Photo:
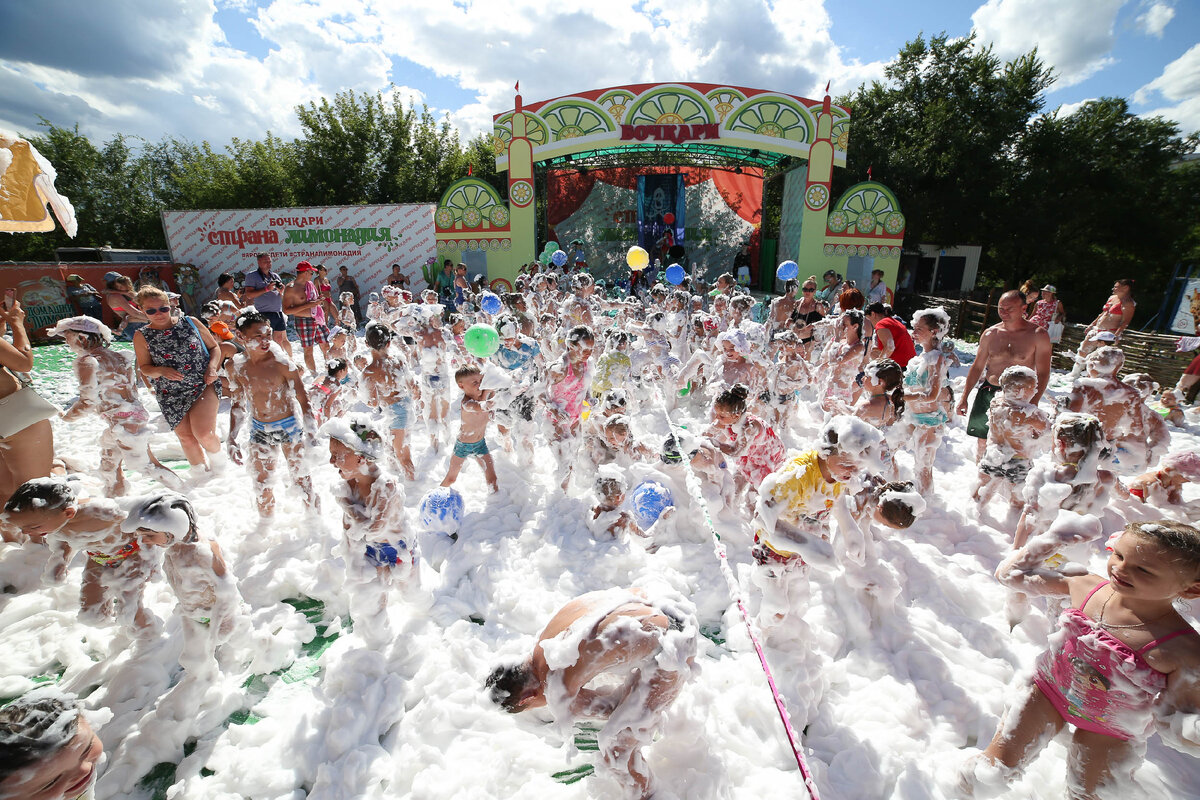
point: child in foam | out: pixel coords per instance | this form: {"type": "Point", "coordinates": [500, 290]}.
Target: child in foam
{"type": "Point", "coordinates": [388, 385]}
{"type": "Point", "coordinates": [608, 519]}
{"type": "Point", "coordinates": [758, 449]}
{"type": "Point", "coordinates": [332, 396]}
{"type": "Point", "coordinates": [568, 380]}
{"type": "Point", "coordinates": [650, 643]}
{"type": "Point", "coordinates": [1122, 663]}
{"type": "Point", "coordinates": [1070, 479]}
{"type": "Point", "coordinates": [472, 430]}
{"type": "Point", "coordinates": [1163, 487]}
{"type": "Point", "coordinates": [209, 601]}
{"type": "Point", "coordinates": [265, 383]}
{"type": "Point", "coordinates": [47, 511]}
{"type": "Point", "coordinates": [48, 750]}
{"type": "Point", "coordinates": [1129, 424]}
{"type": "Point", "coordinates": [107, 388]}
{"type": "Point", "coordinates": [372, 500]}
{"type": "Point", "coordinates": [924, 383]}
{"type": "Point", "coordinates": [1017, 433]}
{"type": "Point", "coordinates": [794, 505]}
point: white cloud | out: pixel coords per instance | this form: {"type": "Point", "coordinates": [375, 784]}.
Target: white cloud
{"type": "Point", "coordinates": [1074, 37]}
{"type": "Point", "coordinates": [1179, 83]}
{"type": "Point", "coordinates": [187, 80]}
{"type": "Point", "coordinates": [1154, 20]}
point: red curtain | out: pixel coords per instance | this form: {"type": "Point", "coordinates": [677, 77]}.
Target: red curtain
{"type": "Point", "coordinates": [567, 189]}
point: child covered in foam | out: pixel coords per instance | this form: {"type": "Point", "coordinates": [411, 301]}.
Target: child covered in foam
{"type": "Point", "coordinates": [48, 749]}
{"type": "Point", "coordinates": [1122, 663]}
{"type": "Point", "coordinates": [1164, 486]}
{"type": "Point", "coordinates": [1017, 433]}
{"type": "Point", "coordinates": [1070, 479]}
{"type": "Point", "coordinates": [609, 520]}
{"type": "Point", "coordinates": [108, 389]}
{"type": "Point", "coordinates": [48, 512]}
{"type": "Point", "coordinates": [389, 386]}
{"type": "Point", "coordinates": [1138, 435]}
{"type": "Point", "coordinates": [209, 601]}
{"type": "Point", "coordinates": [792, 517]}
{"type": "Point", "coordinates": [379, 551]}
{"type": "Point", "coordinates": [924, 387]}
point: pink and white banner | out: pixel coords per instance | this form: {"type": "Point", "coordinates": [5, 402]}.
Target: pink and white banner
{"type": "Point", "coordinates": [365, 239]}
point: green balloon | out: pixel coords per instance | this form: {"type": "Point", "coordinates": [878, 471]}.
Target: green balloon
{"type": "Point", "coordinates": [481, 340]}
{"type": "Point", "coordinates": [551, 247]}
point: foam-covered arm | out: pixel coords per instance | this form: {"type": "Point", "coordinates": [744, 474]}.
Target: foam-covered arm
{"type": "Point", "coordinates": [851, 536]}
{"type": "Point", "coordinates": [810, 546]}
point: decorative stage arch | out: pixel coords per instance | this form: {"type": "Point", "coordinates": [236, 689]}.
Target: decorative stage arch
{"type": "Point", "coordinates": [713, 126]}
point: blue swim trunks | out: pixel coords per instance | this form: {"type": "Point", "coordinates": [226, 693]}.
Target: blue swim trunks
{"type": "Point", "coordinates": [468, 449]}
{"type": "Point", "coordinates": [400, 410]}
{"type": "Point", "coordinates": [281, 431]}
{"type": "Point", "coordinates": [931, 419]}
{"type": "Point", "coordinates": [383, 554]}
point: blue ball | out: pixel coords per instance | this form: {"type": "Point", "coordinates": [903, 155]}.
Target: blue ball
{"type": "Point", "coordinates": [787, 270]}
{"type": "Point", "coordinates": [442, 510]}
{"type": "Point", "coordinates": [649, 500]}
{"type": "Point", "coordinates": [490, 303]}
{"type": "Point", "coordinates": [559, 258]}
{"type": "Point", "coordinates": [675, 274]}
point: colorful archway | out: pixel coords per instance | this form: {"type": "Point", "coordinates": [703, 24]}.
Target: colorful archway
{"type": "Point", "coordinates": [722, 124]}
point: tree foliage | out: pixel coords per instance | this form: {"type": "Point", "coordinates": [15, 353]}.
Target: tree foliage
{"type": "Point", "coordinates": [1075, 199]}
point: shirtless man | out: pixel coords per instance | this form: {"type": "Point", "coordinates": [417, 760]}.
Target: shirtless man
{"type": "Point", "coordinates": [266, 382]}
{"type": "Point", "coordinates": [389, 385]}
{"type": "Point", "coordinates": [1014, 341]}
{"type": "Point", "coordinates": [619, 631]}
{"type": "Point", "coordinates": [782, 307]}
{"type": "Point", "coordinates": [303, 302]}
{"type": "Point", "coordinates": [1125, 417]}
{"type": "Point", "coordinates": [476, 414]}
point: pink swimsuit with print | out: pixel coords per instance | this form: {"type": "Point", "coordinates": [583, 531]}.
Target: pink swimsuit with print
{"type": "Point", "coordinates": [763, 454]}
{"type": "Point", "coordinates": [567, 394]}
{"type": "Point", "coordinates": [1097, 682]}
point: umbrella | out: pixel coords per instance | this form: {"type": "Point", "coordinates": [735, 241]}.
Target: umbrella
{"type": "Point", "coordinates": [27, 193]}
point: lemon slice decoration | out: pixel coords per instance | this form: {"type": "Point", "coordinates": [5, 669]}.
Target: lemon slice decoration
{"type": "Point", "coordinates": [775, 117]}
{"type": "Point", "coordinates": [615, 103]}
{"type": "Point", "coordinates": [469, 201]}
{"type": "Point", "coordinates": [574, 118]}
{"type": "Point", "coordinates": [724, 100]}
{"type": "Point", "coordinates": [670, 106]}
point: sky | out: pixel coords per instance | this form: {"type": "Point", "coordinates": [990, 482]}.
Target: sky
{"type": "Point", "coordinates": [218, 69]}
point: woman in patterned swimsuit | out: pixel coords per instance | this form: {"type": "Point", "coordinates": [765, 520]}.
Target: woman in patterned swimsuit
{"type": "Point", "coordinates": [182, 360]}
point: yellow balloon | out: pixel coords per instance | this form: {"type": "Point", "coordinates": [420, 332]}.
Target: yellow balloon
{"type": "Point", "coordinates": [637, 258]}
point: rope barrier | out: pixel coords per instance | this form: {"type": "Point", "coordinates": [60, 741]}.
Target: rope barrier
{"type": "Point", "coordinates": [735, 593]}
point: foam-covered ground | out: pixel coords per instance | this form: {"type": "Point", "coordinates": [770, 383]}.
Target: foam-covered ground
{"type": "Point", "coordinates": [892, 695]}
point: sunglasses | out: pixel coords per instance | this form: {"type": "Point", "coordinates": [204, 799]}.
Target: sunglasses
{"type": "Point", "coordinates": [810, 288]}
{"type": "Point", "coordinates": [159, 310]}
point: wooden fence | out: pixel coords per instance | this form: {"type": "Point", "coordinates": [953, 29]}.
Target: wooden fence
{"type": "Point", "coordinates": [1151, 353]}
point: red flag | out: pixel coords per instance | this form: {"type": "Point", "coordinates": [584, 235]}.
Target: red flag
{"type": "Point", "coordinates": [868, 173]}
{"type": "Point", "coordinates": [469, 168]}
{"type": "Point", "coordinates": [517, 88]}
{"type": "Point", "coordinates": [827, 86]}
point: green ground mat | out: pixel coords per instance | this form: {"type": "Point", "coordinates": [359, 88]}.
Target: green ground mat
{"type": "Point", "coordinates": [304, 669]}
{"type": "Point", "coordinates": [586, 734]}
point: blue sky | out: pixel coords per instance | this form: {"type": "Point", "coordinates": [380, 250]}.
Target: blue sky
{"type": "Point", "coordinates": [216, 69]}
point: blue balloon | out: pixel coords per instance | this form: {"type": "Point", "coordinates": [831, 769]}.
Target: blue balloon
{"type": "Point", "coordinates": [559, 258]}
{"type": "Point", "coordinates": [675, 274]}
{"type": "Point", "coordinates": [649, 500]}
{"type": "Point", "coordinates": [787, 270]}
{"type": "Point", "coordinates": [490, 303]}
{"type": "Point", "coordinates": [442, 510]}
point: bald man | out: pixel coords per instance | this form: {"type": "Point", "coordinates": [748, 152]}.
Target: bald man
{"type": "Point", "coordinates": [1014, 341]}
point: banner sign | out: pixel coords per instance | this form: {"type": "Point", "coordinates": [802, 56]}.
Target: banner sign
{"type": "Point", "coordinates": [367, 240]}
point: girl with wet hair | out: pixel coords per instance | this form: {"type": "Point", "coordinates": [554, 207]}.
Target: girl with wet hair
{"type": "Point", "coordinates": [755, 445]}
{"type": "Point", "coordinates": [48, 750]}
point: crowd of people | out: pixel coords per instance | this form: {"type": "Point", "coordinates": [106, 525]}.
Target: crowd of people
{"type": "Point", "coordinates": [566, 366]}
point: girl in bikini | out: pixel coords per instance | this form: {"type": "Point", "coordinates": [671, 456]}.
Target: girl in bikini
{"type": "Point", "coordinates": [1122, 662]}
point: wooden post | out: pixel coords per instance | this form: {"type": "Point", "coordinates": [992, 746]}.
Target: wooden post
{"type": "Point", "coordinates": [962, 317]}
{"type": "Point", "coordinates": [987, 310]}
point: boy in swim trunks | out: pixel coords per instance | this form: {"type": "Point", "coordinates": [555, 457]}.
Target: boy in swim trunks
{"type": "Point", "coordinates": [1129, 424]}
{"type": "Point", "coordinates": [388, 385]}
{"type": "Point", "coordinates": [1018, 432]}
{"type": "Point", "coordinates": [266, 383]}
{"type": "Point", "coordinates": [476, 414]}
{"type": "Point", "coordinates": [117, 569]}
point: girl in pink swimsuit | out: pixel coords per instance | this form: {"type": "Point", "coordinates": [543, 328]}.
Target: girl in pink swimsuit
{"type": "Point", "coordinates": [569, 380]}
{"type": "Point", "coordinates": [758, 448]}
{"type": "Point", "coordinates": [1121, 658]}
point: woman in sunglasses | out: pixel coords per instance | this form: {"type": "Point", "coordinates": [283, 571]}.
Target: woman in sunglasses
{"type": "Point", "coordinates": [182, 360]}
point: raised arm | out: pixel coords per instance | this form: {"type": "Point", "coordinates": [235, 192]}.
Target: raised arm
{"type": "Point", "coordinates": [17, 356]}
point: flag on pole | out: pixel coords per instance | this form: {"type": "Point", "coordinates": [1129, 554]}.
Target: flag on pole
{"type": "Point", "coordinates": [517, 88]}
